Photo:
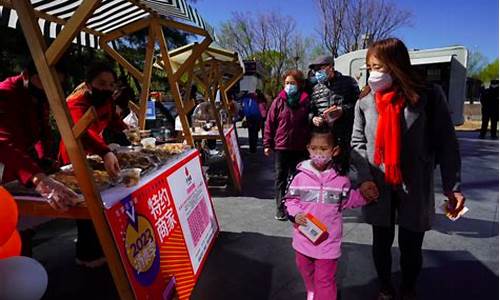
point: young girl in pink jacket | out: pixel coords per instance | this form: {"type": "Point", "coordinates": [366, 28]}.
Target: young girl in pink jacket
{"type": "Point", "coordinates": [317, 195]}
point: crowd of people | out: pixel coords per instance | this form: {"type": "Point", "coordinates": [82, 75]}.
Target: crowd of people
{"type": "Point", "coordinates": [336, 147]}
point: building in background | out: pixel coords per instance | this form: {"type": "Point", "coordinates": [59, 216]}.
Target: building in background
{"type": "Point", "coordinates": [444, 66]}
{"type": "Point", "coordinates": [252, 79]}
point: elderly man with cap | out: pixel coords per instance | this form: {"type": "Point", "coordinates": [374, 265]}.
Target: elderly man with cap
{"type": "Point", "coordinates": [333, 98]}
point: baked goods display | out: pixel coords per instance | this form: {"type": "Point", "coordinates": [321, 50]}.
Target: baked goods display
{"type": "Point", "coordinates": [130, 177]}
{"type": "Point", "coordinates": [135, 159]}
{"type": "Point", "coordinates": [134, 162]}
{"type": "Point", "coordinates": [133, 135]}
{"type": "Point", "coordinates": [174, 148]}
{"type": "Point", "coordinates": [68, 178]}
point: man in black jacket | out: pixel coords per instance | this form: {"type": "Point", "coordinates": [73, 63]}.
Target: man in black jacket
{"type": "Point", "coordinates": [489, 109]}
{"type": "Point", "coordinates": [333, 98]}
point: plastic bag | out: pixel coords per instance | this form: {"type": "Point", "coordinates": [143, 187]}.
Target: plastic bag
{"type": "Point", "coordinates": [131, 120]}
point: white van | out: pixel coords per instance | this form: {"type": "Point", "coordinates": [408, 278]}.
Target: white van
{"type": "Point", "coordinates": [444, 66]}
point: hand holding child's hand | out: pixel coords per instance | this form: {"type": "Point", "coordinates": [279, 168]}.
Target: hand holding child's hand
{"type": "Point", "coordinates": [369, 190]}
{"type": "Point", "coordinates": [301, 219]}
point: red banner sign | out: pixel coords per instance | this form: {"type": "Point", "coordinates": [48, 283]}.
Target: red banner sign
{"type": "Point", "coordinates": [164, 231]}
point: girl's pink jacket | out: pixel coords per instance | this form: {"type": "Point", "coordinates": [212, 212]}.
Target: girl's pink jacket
{"type": "Point", "coordinates": [324, 195]}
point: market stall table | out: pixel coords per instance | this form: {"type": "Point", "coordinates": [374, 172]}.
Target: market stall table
{"type": "Point", "coordinates": [164, 225]}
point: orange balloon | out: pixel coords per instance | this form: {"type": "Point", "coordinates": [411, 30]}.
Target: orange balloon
{"type": "Point", "coordinates": [12, 247]}
{"type": "Point", "coordinates": [8, 215]}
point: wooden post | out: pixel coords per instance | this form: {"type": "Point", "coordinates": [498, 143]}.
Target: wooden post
{"type": "Point", "coordinates": [121, 60]}
{"type": "Point", "coordinates": [146, 82]}
{"type": "Point", "coordinates": [225, 88]}
{"type": "Point", "coordinates": [214, 80]}
{"type": "Point", "coordinates": [188, 101]}
{"type": "Point", "coordinates": [182, 26]}
{"type": "Point", "coordinates": [197, 51]}
{"type": "Point", "coordinates": [174, 86]}
{"type": "Point", "coordinates": [70, 30]}
{"type": "Point", "coordinates": [125, 30]}
{"type": "Point", "coordinates": [85, 122]}
{"type": "Point", "coordinates": [57, 103]}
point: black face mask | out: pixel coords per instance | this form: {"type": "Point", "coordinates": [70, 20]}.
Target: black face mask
{"type": "Point", "coordinates": [36, 92]}
{"type": "Point", "coordinates": [99, 97]}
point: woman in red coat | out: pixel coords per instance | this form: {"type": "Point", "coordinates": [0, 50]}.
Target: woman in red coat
{"type": "Point", "coordinates": [97, 91]}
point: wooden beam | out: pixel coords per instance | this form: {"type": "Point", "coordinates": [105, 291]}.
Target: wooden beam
{"type": "Point", "coordinates": [224, 99]}
{"type": "Point", "coordinates": [121, 60]}
{"type": "Point", "coordinates": [203, 73]}
{"type": "Point", "coordinates": [126, 30]}
{"type": "Point", "coordinates": [216, 80]}
{"type": "Point", "coordinates": [133, 107]}
{"type": "Point", "coordinates": [6, 3]}
{"type": "Point", "coordinates": [200, 81]}
{"type": "Point", "coordinates": [70, 30]}
{"type": "Point", "coordinates": [188, 102]}
{"type": "Point", "coordinates": [180, 50]}
{"type": "Point", "coordinates": [196, 53]}
{"type": "Point", "coordinates": [189, 105]}
{"type": "Point", "coordinates": [85, 122]}
{"type": "Point", "coordinates": [146, 78]}
{"type": "Point", "coordinates": [232, 82]}
{"type": "Point", "coordinates": [183, 27]}
{"type": "Point", "coordinates": [55, 96]}
{"type": "Point", "coordinates": [174, 86]}
{"type": "Point", "coordinates": [229, 54]}
{"type": "Point", "coordinates": [51, 18]}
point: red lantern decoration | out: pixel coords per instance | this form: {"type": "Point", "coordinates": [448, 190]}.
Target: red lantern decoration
{"type": "Point", "coordinates": [12, 247]}
{"type": "Point", "coordinates": [8, 215]}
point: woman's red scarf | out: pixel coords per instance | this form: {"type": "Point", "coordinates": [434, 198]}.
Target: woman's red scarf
{"type": "Point", "coordinates": [388, 136]}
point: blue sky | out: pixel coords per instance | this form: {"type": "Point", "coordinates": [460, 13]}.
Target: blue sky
{"type": "Point", "coordinates": [473, 24]}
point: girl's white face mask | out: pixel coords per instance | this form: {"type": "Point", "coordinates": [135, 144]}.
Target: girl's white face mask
{"type": "Point", "coordinates": [379, 81]}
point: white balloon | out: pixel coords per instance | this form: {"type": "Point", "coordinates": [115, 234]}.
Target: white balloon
{"type": "Point", "coordinates": [22, 278]}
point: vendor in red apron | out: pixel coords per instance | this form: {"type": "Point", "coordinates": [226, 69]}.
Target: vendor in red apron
{"type": "Point", "coordinates": [97, 92]}
{"type": "Point", "coordinates": [25, 137]}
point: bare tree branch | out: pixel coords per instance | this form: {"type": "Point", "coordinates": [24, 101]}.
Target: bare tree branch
{"type": "Point", "coordinates": [348, 25]}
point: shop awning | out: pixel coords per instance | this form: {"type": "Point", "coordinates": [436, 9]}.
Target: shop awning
{"type": "Point", "coordinates": [111, 15]}
{"type": "Point", "coordinates": [230, 61]}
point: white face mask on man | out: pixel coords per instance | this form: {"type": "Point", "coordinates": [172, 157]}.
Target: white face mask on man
{"type": "Point", "coordinates": [379, 81]}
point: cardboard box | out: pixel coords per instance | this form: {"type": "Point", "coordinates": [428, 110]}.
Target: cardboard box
{"type": "Point", "coordinates": [315, 231]}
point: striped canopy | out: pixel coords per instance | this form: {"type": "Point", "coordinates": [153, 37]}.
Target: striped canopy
{"type": "Point", "coordinates": [111, 15]}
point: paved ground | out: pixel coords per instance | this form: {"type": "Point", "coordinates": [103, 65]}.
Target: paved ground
{"type": "Point", "coordinates": [253, 258]}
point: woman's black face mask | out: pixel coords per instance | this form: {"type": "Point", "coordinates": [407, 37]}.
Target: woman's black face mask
{"type": "Point", "coordinates": [99, 97]}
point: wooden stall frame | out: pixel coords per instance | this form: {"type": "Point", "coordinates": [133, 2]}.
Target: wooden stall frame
{"type": "Point", "coordinates": [211, 79]}
{"type": "Point", "coordinates": [46, 58]}
{"type": "Point", "coordinates": [216, 76]}
{"type": "Point", "coordinates": [155, 35]}
{"type": "Point", "coordinates": [52, 86]}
